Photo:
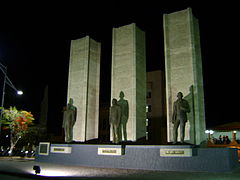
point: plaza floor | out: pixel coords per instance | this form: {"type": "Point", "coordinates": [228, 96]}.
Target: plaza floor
{"type": "Point", "coordinates": [22, 168]}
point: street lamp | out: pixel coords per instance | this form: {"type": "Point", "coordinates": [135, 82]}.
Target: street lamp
{"type": "Point", "coordinates": [6, 81]}
{"type": "Point", "coordinates": [19, 92]}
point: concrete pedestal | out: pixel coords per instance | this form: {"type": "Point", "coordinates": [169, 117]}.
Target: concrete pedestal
{"type": "Point", "coordinates": [176, 158]}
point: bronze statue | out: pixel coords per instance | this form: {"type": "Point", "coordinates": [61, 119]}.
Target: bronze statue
{"type": "Point", "coordinates": [123, 103]}
{"type": "Point", "coordinates": [69, 119]}
{"type": "Point", "coordinates": [114, 120]}
{"type": "Point", "coordinates": [180, 110]}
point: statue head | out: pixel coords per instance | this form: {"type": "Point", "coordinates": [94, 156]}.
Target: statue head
{"type": "Point", "coordinates": [121, 95]}
{"type": "Point", "coordinates": [180, 95]}
{"type": "Point", "coordinates": [71, 101]}
{"type": "Point", "coordinates": [114, 101]}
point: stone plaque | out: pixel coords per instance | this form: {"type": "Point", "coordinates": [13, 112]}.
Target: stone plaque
{"type": "Point", "coordinates": [177, 152]}
{"type": "Point", "coordinates": [43, 148]}
{"type": "Point", "coordinates": [58, 149]}
{"type": "Point", "coordinates": [111, 151]}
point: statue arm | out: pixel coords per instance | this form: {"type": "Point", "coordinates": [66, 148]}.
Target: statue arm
{"type": "Point", "coordinates": [127, 110]}
{"type": "Point", "coordinates": [110, 115]}
{"type": "Point", "coordinates": [75, 117]}
{"type": "Point", "coordinates": [185, 107]}
{"type": "Point", "coordinates": [119, 115]}
{"type": "Point", "coordinates": [188, 108]}
{"type": "Point", "coordinates": [64, 119]}
{"type": "Point", "coordinates": [174, 115]}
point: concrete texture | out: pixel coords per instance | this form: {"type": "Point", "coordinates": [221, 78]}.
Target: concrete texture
{"type": "Point", "coordinates": [129, 76]}
{"type": "Point", "coordinates": [83, 86]}
{"type": "Point", "coordinates": [183, 68]}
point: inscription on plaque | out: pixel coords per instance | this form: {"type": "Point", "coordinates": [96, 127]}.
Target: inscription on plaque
{"type": "Point", "coordinates": [176, 152]}
{"type": "Point", "coordinates": [66, 150]}
{"type": "Point", "coordinates": [110, 151]}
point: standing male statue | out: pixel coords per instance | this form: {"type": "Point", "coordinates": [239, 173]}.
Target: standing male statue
{"type": "Point", "coordinates": [114, 120]}
{"type": "Point", "coordinates": [123, 103]}
{"type": "Point", "coordinates": [180, 110]}
{"type": "Point", "coordinates": [69, 119]}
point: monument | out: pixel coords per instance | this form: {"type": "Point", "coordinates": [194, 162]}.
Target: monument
{"type": "Point", "coordinates": [183, 67]}
{"type": "Point", "coordinates": [128, 110]}
{"type": "Point", "coordinates": [129, 77]}
{"type": "Point", "coordinates": [83, 86]}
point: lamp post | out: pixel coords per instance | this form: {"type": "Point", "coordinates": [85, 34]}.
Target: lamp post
{"type": "Point", "coordinates": [6, 81]}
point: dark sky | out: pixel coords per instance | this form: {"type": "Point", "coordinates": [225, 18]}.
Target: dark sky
{"type": "Point", "coordinates": [35, 46]}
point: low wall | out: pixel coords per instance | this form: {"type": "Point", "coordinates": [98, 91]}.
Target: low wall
{"type": "Point", "coordinates": [144, 157]}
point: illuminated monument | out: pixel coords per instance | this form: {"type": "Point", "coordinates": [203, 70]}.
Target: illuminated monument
{"type": "Point", "coordinates": [183, 67]}
{"type": "Point", "coordinates": [129, 76]}
{"type": "Point", "coordinates": [83, 86]}
{"type": "Point", "coordinates": [183, 73]}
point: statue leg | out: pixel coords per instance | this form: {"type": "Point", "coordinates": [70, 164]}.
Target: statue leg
{"type": "Point", "coordinates": [67, 134]}
{"type": "Point", "coordinates": [120, 132]}
{"type": "Point", "coordinates": [70, 131]}
{"type": "Point", "coordinates": [114, 133]}
{"type": "Point", "coordinates": [125, 131]}
{"type": "Point", "coordinates": [182, 130]}
{"type": "Point", "coordinates": [71, 134]}
{"type": "Point", "coordinates": [175, 131]}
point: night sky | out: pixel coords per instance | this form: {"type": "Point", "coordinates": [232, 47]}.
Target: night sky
{"type": "Point", "coordinates": [35, 47]}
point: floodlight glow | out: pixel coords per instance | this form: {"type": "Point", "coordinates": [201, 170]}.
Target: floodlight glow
{"type": "Point", "coordinates": [235, 132]}
{"type": "Point", "coordinates": [55, 173]}
{"type": "Point", "coordinates": [19, 92]}
{"type": "Point", "coordinates": [211, 131]}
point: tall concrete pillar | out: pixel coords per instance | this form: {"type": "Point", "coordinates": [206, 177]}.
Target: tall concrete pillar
{"type": "Point", "coordinates": [183, 66]}
{"type": "Point", "coordinates": [43, 120]}
{"type": "Point", "coordinates": [129, 76]}
{"type": "Point", "coordinates": [83, 86]}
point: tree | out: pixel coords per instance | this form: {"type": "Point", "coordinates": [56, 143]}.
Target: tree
{"type": "Point", "coordinates": [18, 122]}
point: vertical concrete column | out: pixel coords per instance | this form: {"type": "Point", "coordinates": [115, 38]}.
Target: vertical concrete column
{"type": "Point", "coordinates": [129, 76]}
{"type": "Point", "coordinates": [183, 66]}
{"type": "Point", "coordinates": [83, 86]}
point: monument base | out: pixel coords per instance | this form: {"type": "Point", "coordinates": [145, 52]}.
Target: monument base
{"type": "Point", "coordinates": [147, 157]}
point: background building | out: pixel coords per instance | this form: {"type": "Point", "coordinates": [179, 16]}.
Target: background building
{"type": "Point", "coordinates": [156, 111]}
{"type": "Point", "coordinates": [156, 108]}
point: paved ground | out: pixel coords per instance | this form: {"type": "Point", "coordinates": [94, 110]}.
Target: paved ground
{"type": "Point", "coordinates": [19, 168]}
